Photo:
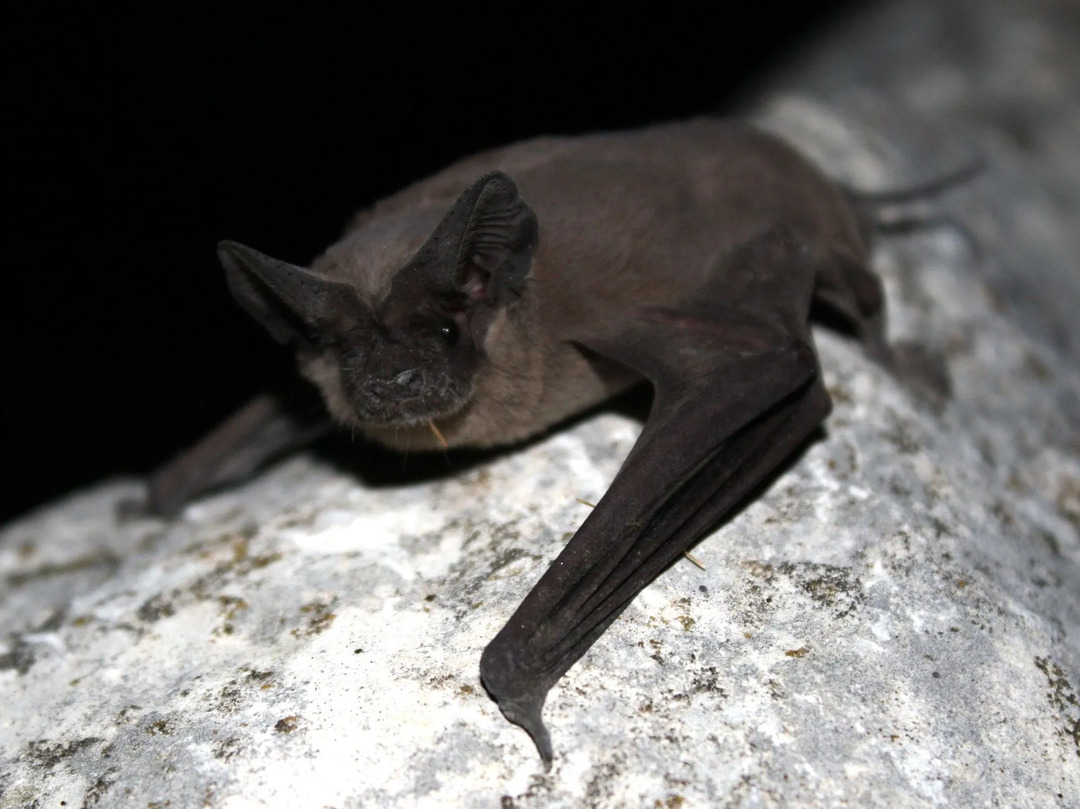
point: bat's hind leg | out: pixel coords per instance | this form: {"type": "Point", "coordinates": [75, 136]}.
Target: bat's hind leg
{"type": "Point", "coordinates": [848, 292]}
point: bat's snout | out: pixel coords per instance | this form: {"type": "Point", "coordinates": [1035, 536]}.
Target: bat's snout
{"type": "Point", "coordinates": [387, 398]}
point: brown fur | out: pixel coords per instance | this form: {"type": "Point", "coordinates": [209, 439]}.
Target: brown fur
{"type": "Point", "coordinates": [612, 208]}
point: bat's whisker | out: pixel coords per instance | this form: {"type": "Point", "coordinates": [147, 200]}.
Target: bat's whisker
{"type": "Point", "coordinates": [438, 435]}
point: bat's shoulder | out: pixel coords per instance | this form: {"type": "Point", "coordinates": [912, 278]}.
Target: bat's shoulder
{"type": "Point", "coordinates": [553, 170]}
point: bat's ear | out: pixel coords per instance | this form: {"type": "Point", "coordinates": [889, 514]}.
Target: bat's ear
{"type": "Point", "coordinates": [498, 242]}
{"type": "Point", "coordinates": [288, 301]}
{"type": "Point", "coordinates": [483, 246]}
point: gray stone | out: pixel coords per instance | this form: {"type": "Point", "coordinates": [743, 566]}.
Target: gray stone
{"type": "Point", "coordinates": [894, 622]}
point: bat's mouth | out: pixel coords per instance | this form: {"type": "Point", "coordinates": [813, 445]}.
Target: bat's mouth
{"type": "Point", "coordinates": [393, 404]}
{"type": "Point", "coordinates": [406, 429]}
{"type": "Point", "coordinates": [420, 414]}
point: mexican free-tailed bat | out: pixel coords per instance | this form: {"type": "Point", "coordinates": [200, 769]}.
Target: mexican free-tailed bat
{"type": "Point", "coordinates": [520, 286]}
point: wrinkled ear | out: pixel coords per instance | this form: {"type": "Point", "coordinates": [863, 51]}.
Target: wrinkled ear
{"type": "Point", "coordinates": [290, 302]}
{"type": "Point", "coordinates": [499, 239]}
{"type": "Point", "coordinates": [483, 246]}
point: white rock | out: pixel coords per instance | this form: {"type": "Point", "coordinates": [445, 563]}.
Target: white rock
{"type": "Point", "coordinates": [893, 623]}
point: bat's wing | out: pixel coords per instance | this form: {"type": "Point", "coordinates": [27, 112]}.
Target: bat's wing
{"type": "Point", "coordinates": [266, 427]}
{"type": "Point", "coordinates": [736, 392]}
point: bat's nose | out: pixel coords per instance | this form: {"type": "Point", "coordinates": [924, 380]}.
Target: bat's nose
{"type": "Point", "coordinates": [402, 385]}
{"type": "Point", "coordinates": [405, 379]}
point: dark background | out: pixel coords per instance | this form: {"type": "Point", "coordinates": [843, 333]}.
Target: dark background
{"type": "Point", "coordinates": [139, 138]}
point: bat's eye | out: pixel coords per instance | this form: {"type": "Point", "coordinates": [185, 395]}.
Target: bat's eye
{"type": "Point", "coordinates": [449, 332]}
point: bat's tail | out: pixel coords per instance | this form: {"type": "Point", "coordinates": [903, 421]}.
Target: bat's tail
{"type": "Point", "coordinates": [929, 189]}
{"type": "Point", "coordinates": [868, 206]}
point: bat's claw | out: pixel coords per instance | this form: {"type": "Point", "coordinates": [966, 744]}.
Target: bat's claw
{"type": "Point", "coordinates": [525, 712]}
{"type": "Point", "coordinates": [924, 372]}
{"type": "Point", "coordinates": [518, 696]}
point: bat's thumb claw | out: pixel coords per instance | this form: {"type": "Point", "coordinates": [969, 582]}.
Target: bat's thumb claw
{"type": "Point", "coordinates": [520, 697]}
{"type": "Point", "coordinates": [525, 712]}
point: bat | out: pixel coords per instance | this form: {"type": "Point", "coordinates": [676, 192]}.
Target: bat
{"type": "Point", "coordinates": [520, 286]}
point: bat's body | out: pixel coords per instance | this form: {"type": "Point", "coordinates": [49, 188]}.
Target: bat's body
{"type": "Point", "coordinates": [625, 220]}
{"type": "Point", "coordinates": [523, 285]}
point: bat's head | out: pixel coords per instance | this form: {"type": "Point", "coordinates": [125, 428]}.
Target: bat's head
{"type": "Point", "coordinates": [392, 334]}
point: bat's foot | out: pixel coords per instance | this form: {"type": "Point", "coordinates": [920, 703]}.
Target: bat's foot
{"type": "Point", "coordinates": [134, 508]}
{"type": "Point", "coordinates": [924, 372]}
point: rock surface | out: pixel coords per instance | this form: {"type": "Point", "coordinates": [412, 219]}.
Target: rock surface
{"type": "Point", "coordinates": [896, 621]}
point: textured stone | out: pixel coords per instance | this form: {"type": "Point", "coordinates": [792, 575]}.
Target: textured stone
{"type": "Point", "coordinates": [894, 622]}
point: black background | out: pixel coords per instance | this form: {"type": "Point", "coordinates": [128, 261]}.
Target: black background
{"type": "Point", "coordinates": [139, 138]}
